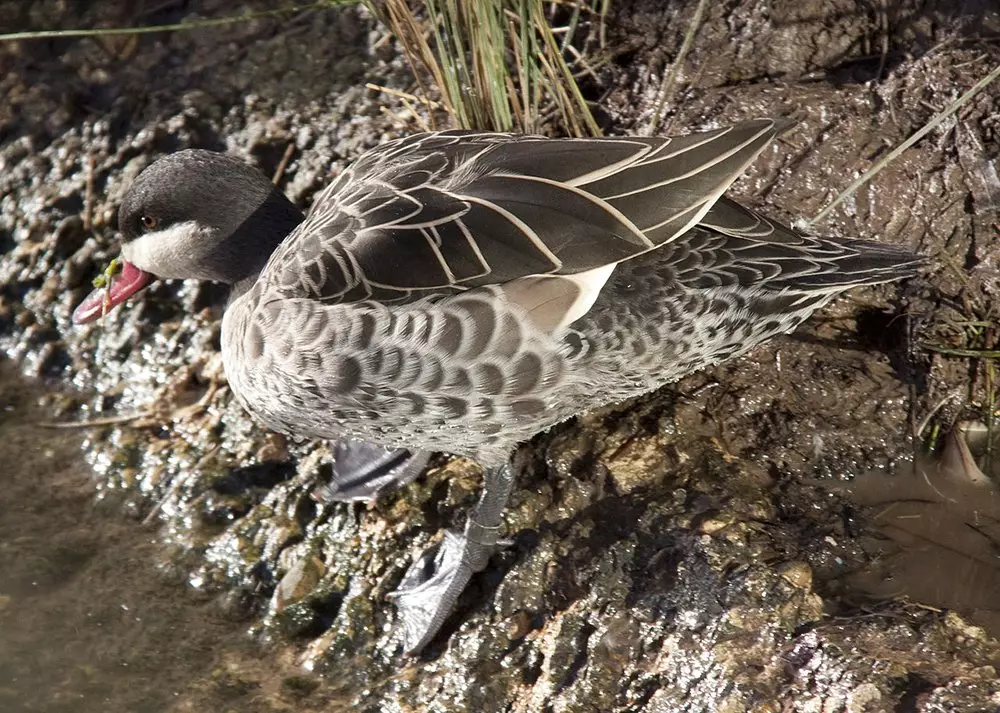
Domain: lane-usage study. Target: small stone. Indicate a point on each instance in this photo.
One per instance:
(237, 604)
(69, 236)
(298, 582)
(76, 273)
(798, 574)
(865, 697)
(300, 686)
(275, 448)
(715, 524)
(518, 625)
(200, 103)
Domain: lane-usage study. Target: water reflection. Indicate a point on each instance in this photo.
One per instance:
(89, 621)
(938, 530)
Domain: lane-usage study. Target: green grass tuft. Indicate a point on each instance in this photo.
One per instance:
(500, 65)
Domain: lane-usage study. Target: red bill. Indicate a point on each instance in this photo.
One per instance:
(119, 288)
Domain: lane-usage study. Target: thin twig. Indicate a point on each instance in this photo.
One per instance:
(892, 155)
(190, 25)
(969, 353)
(883, 16)
(279, 172)
(667, 88)
(95, 422)
(88, 200)
(990, 414)
(413, 112)
(174, 487)
(176, 484)
(429, 103)
(925, 422)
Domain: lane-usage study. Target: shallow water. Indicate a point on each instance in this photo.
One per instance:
(91, 618)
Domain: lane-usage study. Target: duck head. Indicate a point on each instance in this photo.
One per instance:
(194, 215)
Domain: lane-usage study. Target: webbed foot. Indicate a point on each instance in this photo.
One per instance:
(361, 470)
(433, 583)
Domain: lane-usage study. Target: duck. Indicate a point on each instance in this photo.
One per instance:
(463, 291)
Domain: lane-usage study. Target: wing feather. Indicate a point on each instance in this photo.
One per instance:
(446, 211)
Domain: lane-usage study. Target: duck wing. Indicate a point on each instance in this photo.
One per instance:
(449, 211)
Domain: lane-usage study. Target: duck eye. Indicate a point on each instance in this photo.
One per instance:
(149, 222)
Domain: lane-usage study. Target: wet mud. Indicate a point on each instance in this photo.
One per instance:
(680, 553)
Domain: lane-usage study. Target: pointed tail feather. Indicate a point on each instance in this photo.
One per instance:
(751, 247)
(859, 262)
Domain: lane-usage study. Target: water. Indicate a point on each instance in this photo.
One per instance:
(91, 617)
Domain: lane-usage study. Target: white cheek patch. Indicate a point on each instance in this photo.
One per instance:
(167, 253)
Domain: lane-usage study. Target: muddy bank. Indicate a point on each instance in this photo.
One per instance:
(668, 554)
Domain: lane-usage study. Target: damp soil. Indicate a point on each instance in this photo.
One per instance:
(682, 552)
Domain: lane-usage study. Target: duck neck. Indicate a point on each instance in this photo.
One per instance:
(251, 245)
(240, 288)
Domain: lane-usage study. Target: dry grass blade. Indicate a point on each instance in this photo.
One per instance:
(560, 78)
(496, 64)
(418, 53)
(667, 88)
(189, 25)
(963, 353)
(894, 154)
(96, 422)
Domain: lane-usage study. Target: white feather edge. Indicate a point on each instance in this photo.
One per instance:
(553, 302)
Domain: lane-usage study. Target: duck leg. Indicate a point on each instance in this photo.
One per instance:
(362, 470)
(432, 585)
